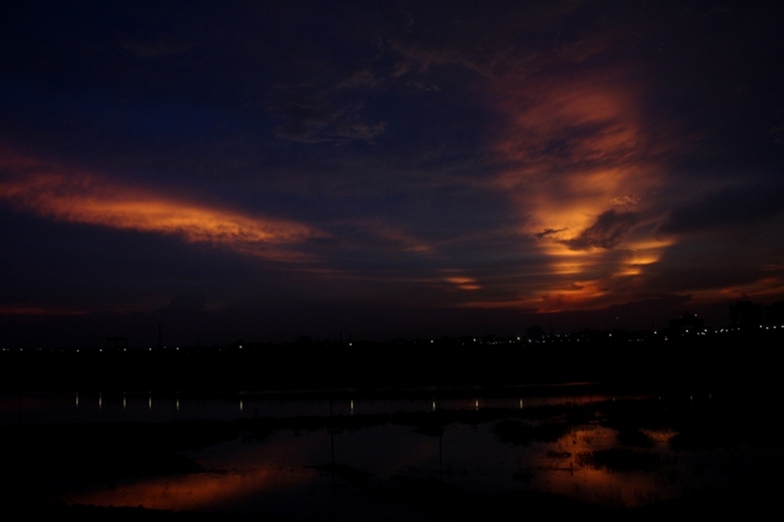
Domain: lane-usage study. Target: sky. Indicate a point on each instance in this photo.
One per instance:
(214, 171)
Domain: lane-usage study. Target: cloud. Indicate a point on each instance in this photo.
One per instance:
(722, 281)
(607, 232)
(628, 200)
(318, 121)
(463, 282)
(569, 149)
(732, 206)
(380, 234)
(76, 196)
(577, 161)
(361, 79)
(460, 280)
(548, 232)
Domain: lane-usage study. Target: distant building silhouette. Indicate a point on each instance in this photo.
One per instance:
(774, 313)
(687, 323)
(116, 343)
(535, 332)
(746, 313)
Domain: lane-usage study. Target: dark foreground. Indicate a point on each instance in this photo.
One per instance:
(697, 424)
(749, 501)
(742, 362)
(47, 466)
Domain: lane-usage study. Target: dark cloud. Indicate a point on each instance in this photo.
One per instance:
(707, 277)
(607, 232)
(547, 232)
(732, 206)
(319, 121)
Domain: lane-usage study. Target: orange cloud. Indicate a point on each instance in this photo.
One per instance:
(80, 197)
(549, 298)
(770, 287)
(463, 282)
(401, 239)
(581, 173)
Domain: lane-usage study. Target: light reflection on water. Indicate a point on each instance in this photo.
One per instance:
(562, 471)
(351, 468)
(200, 492)
(150, 407)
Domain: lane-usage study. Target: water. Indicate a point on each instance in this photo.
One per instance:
(347, 457)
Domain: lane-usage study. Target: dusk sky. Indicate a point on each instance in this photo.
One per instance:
(262, 170)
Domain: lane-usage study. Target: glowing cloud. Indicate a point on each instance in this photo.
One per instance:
(580, 171)
(607, 232)
(463, 282)
(80, 197)
(401, 239)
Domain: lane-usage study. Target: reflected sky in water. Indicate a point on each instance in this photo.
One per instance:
(385, 455)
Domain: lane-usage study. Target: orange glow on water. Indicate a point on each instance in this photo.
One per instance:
(196, 491)
(565, 473)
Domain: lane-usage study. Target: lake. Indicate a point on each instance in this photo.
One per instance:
(384, 454)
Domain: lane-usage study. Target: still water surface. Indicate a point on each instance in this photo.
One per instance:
(310, 456)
